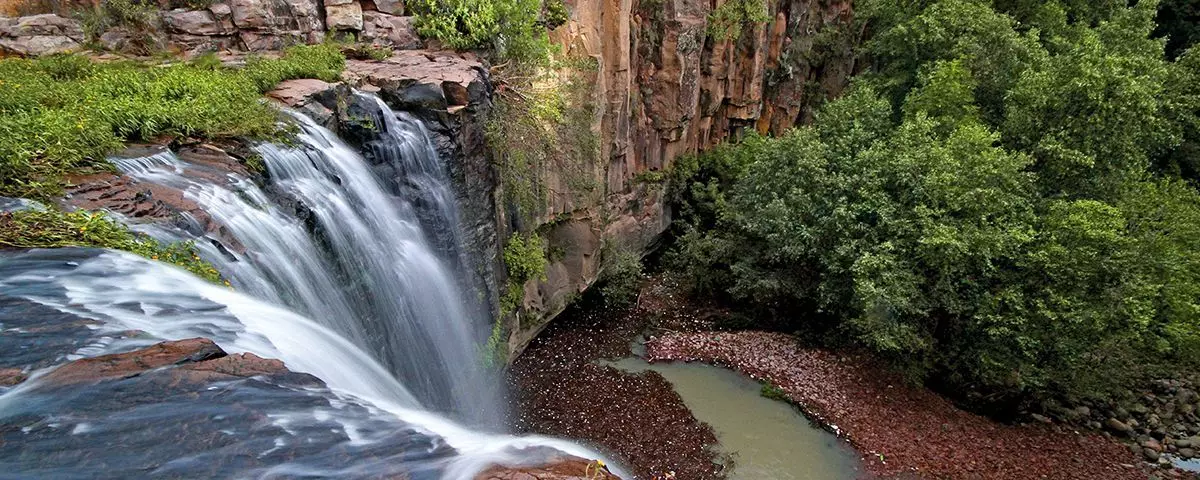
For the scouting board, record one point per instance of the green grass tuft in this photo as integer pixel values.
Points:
(55, 229)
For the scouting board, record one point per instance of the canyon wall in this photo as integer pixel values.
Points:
(666, 87)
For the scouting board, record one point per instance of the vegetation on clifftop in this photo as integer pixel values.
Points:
(1004, 205)
(63, 115)
(510, 31)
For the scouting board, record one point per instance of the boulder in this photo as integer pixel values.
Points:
(274, 24)
(393, 7)
(1118, 426)
(1187, 453)
(314, 98)
(37, 35)
(1150, 454)
(384, 29)
(194, 22)
(131, 364)
(11, 376)
(348, 16)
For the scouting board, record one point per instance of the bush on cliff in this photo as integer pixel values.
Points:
(996, 223)
(509, 30)
(64, 114)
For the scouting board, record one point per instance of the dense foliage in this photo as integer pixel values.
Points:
(996, 206)
(510, 30)
(53, 229)
(64, 114)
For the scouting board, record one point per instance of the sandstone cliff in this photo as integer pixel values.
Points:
(666, 87)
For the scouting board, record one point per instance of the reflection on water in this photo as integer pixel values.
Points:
(766, 439)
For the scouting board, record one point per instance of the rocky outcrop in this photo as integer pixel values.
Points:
(382, 29)
(37, 35)
(246, 25)
(125, 365)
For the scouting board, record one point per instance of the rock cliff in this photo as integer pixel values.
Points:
(667, 87)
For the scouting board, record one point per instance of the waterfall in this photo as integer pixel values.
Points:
(367, 426)
(348, 267)
(377, 258)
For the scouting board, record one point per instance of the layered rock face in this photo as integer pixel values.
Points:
(247, 25)
(667, 87)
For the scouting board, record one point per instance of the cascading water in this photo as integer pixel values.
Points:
(344, 269)
(371, 270)
(365, 425)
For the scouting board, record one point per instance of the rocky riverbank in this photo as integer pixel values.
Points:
(1158, 422)
(558, 388)
(901, 431)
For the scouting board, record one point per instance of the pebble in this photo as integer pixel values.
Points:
(1187, 453)
(1150, 454)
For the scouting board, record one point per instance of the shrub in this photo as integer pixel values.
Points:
(727, 21)
(525, 257)
(53, 228)
(511, 30)
(622, 279)
(138, 19)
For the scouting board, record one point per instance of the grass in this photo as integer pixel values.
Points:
(55, 229)
(64, 114)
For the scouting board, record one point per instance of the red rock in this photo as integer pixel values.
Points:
(11, 376)
(130, 364)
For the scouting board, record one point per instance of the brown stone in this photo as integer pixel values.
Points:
(565, 468)
(393, 7)
(344, 17)
(195, 22)
(124, 365)
(294, 93)
(383, 29)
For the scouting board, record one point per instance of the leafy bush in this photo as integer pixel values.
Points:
(525, 257)
(988, 221)
(622, 278)
(138, 19)
(64, 114)
(511, 30)
(727, 21)
(54, 228)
